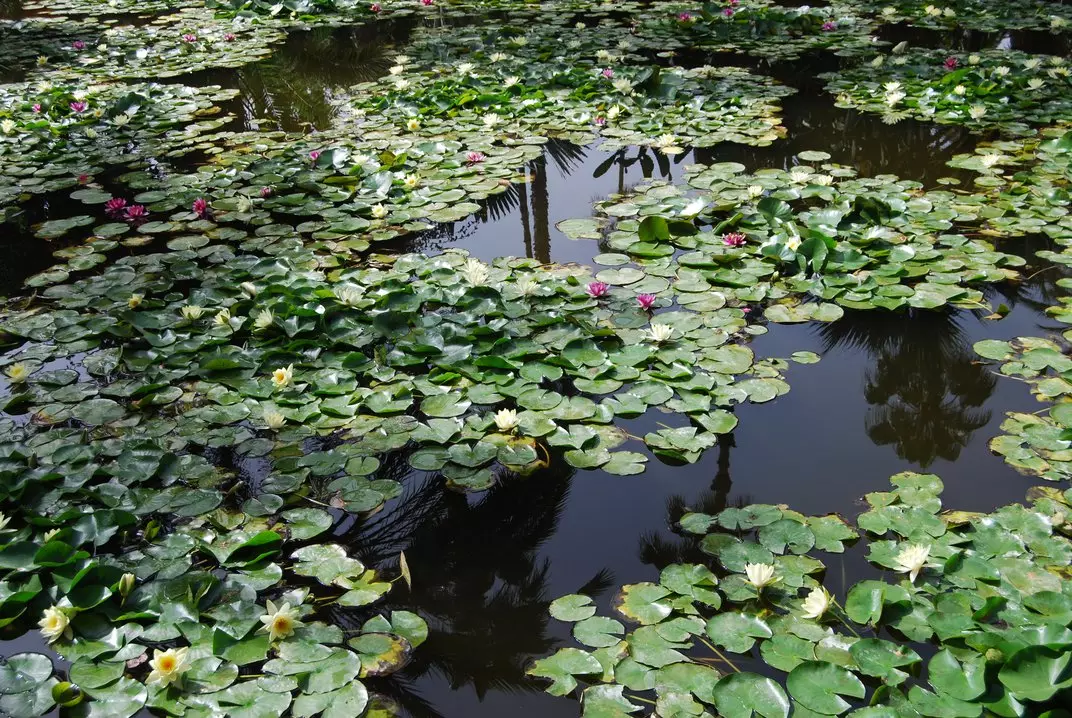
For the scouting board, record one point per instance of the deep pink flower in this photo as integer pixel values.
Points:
(829, 26)
(426, 3)
(728, 12)
(646, 301)
(78, 106)
(314, 155)
(601, 121)
(735, 3)
(229, 37)
(951, 63)
(597, 289)
(36, 107)
(746, 310)
(136, 212)
(475, 158)
(83, 179)
(607, 72)
(78, 45)
(734, 239)
(266, 191)
(189, 37)
(375, 7)
(200, 208)
(684, 17)
(115, 206)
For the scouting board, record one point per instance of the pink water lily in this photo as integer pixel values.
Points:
(475, 158)
(83, 179)
(728, 12)
(426, 3)
(829, 26)
(229, 37)
(951, 63)
(36, 107)
(266, 191)
(734, 239)
(607, 72)
(597, 289)
(314, 155)
(684, 17)
(189, 37)
(78, 106)
(646, 301)
(137, 212)
(78, 45)
(200, 208)
(375, 7)
(115, 206)
(601, 120)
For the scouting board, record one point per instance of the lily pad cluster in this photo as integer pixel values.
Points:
(985, 15)
(518, 80)
(75, 8)
(1002, 89)
(817, 231)
(54, 136)
(968, 616)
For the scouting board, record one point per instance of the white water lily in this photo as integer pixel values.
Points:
(817, 602)
(168, 666)
(397, 69)
(7, 126)
(413, 124)
(822, 180)
(667, 144)
(754, 190)
(279, 621)
(878, 60)
(274, 420)
(974, 59)
(793, 243)
(411, 181)
(1056, 60)
(960, 90)
(121, 120)
(491, 119)
(465, 68)
(990, 159)
(528, 286)
(519, 41)
(379, 211)
(50, 534)
(263, 319)
(511, 81)
(760, 575)
(892, 86)
(976, 112)
(222, 318)
(283, 376)
(894, 98)
(402, 59)
(799, 175)
(932, 10)
(17, 373)
(401, 83)
(660, 333)
(498, 56)
(192, 311)
(1035, 83)
(1057, 22)
(1002, 70)
(249, 289)
(603, 56)
(889, 11)
(349, 295)
(623, 86)
(613, 111)
(1059, 72)
(912, 559)
(5, 520)
(55, 624)
(949, 12)
(1031, 63)
(475, 272)
(506, 419)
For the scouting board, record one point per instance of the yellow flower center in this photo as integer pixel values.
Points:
(167, 663)
(281, 624)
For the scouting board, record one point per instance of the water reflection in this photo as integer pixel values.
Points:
(924, 385)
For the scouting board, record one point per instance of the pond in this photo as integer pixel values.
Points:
(478, 357)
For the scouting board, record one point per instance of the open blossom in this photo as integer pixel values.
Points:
(893, 98)
(991, 159)
(799, 175)
(189, 37)
(263, 319)
(646, 301)
(78, 106)
(660, 333)
(951, 63)
(817, 602)
(597, 289)
(78, 45)
(349, 295)
(475, 272)
(55, 624)
(511, 81)
(491, 119)
(829, 26)
(960, 90)
(754, 190)
(223, 318)
(168, 666)
(279, 621)
(249, 289)
(506, 419)
(136, 212)
(427, 3)
(727, 12)
(266, 191)
(17, 373)
(274, 420)
(684, 17)
(760, 575)
(413, 124)
(229, 36)
(607, 72)
(912, 559)
(192, 311)
(1035, 83)
(623, 86)
(379, 211)
(793, 243)
(283, 376)
(734, 239)
(601, 121)
(976, 112)
(475, 158)
(200, 208)
(135, 300)
(375, 7)
(314, 155)
(115, 206)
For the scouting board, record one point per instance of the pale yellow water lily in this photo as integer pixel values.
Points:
(991, 159)
(798, 175)
(894, 98)
(506, 419)
(413, 124)
(349, 295)
(623, 86)
(7, 126)
(912, 560)
(274, 420)
(892, 86)
(17, 373)
(660, 333)
(754, 191)
(283, 376)
(1002, 70)
(126, 584)
(528, 286)
(192, 311)
(121, 120)
(134, 301)
(379, 211)
(793, 243)
(498, 56)
(511, 81)
(491, 119)
(465, 68)
(279, 621)
(222, 318)
(760, 575)
(822, 180)
(50, 534)
(977, 112)
(263, 319)
(411, 181)
(168, 666)
(960, 90)
(817, 602)
(1035, 83)
(55, 624)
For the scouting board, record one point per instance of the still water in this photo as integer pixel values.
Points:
(893, 392)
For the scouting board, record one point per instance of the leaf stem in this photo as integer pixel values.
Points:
(719, 653)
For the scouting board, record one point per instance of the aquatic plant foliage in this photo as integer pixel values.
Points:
(968, 615)
(985, 15)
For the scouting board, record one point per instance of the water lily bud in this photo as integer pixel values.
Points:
(126, 584)
(249, 289)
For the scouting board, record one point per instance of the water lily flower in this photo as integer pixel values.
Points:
(401, 83)
(760, 575)
(17, 373)
(974, 59)
(600, 121)
(734, 239)
(379, 211)
(1057, 22)
(349, 295)
(912, 559)
(1035, 83)
(375, 7)
(397, 69)
(878, 60)
(200, 208)
(976, 112)
(799, 175)
(1058, 72)
(136, 212)
(266, 191)
(83, 179)
(465, 68)
(960, 90)
(623, 86)
(949, 12)
(263, 319)
(121, 120)
(646, 301)
(7, 126)
(754, 190)
(279, 621)
(1002, 70)
(229, 36)
(817, 602)
(597, 289)
(168, 666)
(55, 624)
(36, 107)
(660, 333)
(189, 37)
(49, 535)
(498, 56)
(78, 106)
(519, 41)
(411, 181)
(427, 3)
(78, 45)
(314, 155)
(475, 272)
(506, 420)
(1032, 63)
(727, 12)
(413, 124)
(667, 144)
(274, 420)
(115, 206)
(829, 26)
(5, 520)
(222, 318)
(892, 98)
(135, 300)
(491, 119)
(249, 289)
(511, 81)
(192, 311)
(951, 63)
(607, 72)
(283, 376)
(822, 180)
(991, 159)
(475, 158)
(889, 11)
(932, 10)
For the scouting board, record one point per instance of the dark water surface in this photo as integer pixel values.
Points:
(893, 392)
